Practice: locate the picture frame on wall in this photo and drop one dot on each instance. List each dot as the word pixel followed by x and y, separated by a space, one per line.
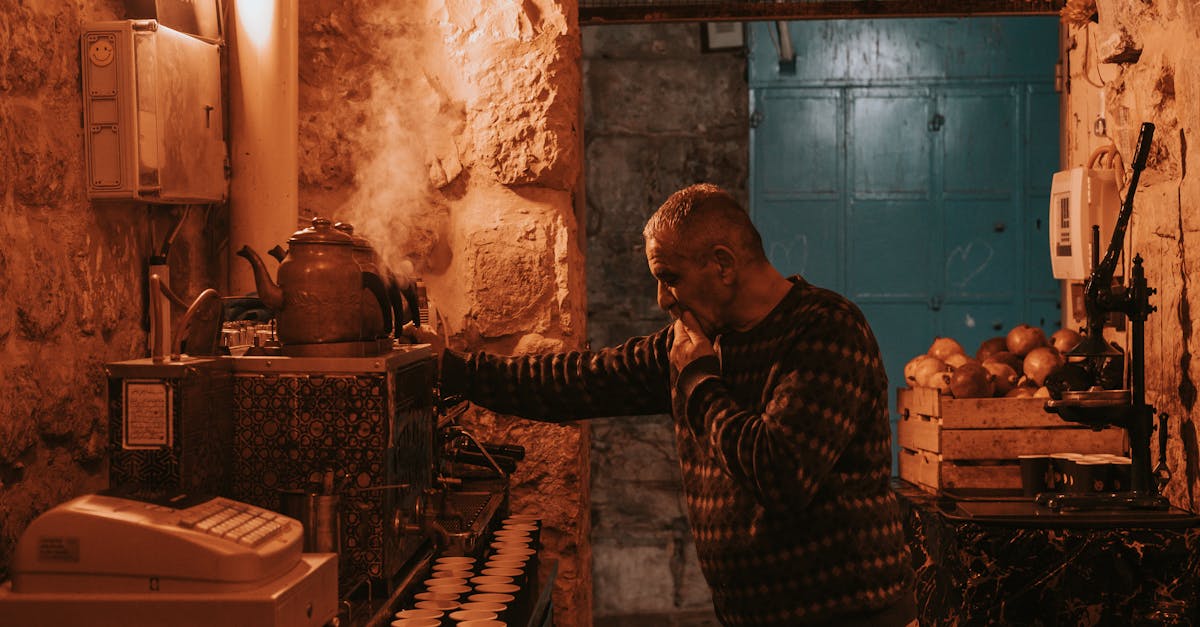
pixel 721 36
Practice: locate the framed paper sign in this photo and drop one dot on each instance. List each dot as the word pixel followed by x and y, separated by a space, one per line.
pixel 721 36
pixel 147 420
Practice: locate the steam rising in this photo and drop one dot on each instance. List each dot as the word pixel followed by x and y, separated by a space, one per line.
pixel 406 145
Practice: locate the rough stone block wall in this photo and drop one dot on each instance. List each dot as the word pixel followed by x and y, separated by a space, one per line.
pixel 659 115
pixel 72 272
pixel 1138 60
pixel 448 133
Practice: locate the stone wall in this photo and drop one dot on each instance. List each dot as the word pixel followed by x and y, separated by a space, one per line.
pixel 72 272
pixel 659 115
pixel 448 133
pixel 1138 59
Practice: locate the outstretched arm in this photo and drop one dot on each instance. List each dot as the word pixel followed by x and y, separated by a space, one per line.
pixel 630 379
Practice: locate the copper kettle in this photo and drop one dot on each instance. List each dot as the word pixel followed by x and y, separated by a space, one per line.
pixel 319 296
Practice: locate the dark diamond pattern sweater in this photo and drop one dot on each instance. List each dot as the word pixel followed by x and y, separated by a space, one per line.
pixel 785 449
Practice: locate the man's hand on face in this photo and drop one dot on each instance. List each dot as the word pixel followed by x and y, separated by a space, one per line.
pixel 690 342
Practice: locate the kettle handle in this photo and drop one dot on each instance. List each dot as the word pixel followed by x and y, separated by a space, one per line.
pixel 405 300
pixel 371 281
pixel 396 296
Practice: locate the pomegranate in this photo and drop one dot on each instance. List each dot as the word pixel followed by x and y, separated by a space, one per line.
pixel 1065 339
pixel 991 347
pixel 1024 338
pixel 941 381
pixel 958 359
pixel 919 367
pixel 1021 391
pixel 929 369
pixel 1005 378
pixel 911 366
pixel 944 347
pixel 971 381
pixel 1041 362
pixel 1011 360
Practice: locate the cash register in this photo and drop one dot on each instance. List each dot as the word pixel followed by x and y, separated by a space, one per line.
pixel 180 560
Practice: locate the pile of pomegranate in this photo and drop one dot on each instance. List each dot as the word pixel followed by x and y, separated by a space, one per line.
pixel 1022 363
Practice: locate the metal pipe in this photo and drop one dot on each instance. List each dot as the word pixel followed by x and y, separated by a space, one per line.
pixel 264 136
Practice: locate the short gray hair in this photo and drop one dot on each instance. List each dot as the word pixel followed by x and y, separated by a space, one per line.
pixel 701 216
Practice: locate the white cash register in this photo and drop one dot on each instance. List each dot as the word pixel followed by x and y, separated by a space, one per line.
pixel 101 560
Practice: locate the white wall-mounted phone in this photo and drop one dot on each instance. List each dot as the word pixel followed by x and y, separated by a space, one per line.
pixel 1079 199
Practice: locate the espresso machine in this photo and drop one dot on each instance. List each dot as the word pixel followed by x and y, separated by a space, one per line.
pixel 329 416
pixel 1105 400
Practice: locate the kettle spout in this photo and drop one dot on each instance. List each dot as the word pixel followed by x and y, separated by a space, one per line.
pixel 268 291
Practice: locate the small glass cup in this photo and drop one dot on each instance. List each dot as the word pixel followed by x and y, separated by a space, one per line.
pixel 454 589
pixel 438 582
pixel 445 606
pixel 514 550
pixel 452 574
pixel 436 596
pixel 1036 474
pixel 417 622
pixel 491 597
pixel 450 566
pixel 420 613
pixel 512 534
pixel 487 606
pixel 486 579
pixel 465 615
pixel 515 573
pixel 455 559
pixel 501 588
pixel 510 543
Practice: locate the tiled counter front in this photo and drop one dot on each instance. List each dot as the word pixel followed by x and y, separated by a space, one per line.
pixel 980 573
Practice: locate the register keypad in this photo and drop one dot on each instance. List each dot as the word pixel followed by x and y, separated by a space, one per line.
pixel 235 521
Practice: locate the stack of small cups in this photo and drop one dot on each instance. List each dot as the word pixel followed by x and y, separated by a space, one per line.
pixel 455 595
pixel 441 597
pixel 511 563
pixel 444 602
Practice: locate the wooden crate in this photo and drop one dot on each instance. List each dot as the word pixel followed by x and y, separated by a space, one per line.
pixel 972 443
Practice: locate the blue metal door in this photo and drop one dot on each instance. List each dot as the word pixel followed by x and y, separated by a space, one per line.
pixel 906 164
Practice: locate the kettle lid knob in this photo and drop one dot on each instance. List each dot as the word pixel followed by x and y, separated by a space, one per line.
pixel 321 232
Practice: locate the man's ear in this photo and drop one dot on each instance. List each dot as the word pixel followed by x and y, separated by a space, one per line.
pixel 726 261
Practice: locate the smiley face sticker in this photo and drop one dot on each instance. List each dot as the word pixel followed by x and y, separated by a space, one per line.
pixel 101 52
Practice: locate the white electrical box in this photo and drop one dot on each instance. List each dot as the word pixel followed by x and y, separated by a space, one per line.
pixel 153 122
pixel 1079 199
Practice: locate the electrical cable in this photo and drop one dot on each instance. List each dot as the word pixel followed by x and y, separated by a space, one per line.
pixel 166 247
pixel 1087 52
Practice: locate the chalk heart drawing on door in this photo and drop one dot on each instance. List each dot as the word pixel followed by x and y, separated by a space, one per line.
pixel 968 261
pixel 793 254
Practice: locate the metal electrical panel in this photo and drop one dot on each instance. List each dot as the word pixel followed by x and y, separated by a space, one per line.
pixel 153 122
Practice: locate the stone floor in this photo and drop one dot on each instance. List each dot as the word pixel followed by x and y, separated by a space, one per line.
pixel 683 619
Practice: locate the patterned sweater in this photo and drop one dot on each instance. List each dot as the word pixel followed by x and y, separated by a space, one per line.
pixel 784 444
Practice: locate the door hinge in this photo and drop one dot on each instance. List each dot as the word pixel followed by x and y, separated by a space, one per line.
pixel 756 118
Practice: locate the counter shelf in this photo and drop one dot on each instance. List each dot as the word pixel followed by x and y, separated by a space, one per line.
pixel 1009 562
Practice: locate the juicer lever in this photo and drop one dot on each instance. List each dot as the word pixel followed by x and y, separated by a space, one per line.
pixel 1162 474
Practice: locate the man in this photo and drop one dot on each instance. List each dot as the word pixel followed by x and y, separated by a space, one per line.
pixel 779 399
